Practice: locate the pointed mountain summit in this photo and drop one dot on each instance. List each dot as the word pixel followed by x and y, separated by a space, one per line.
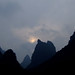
pixel 39 41
pixel 43 51
pixel 9 56
pixel 26 61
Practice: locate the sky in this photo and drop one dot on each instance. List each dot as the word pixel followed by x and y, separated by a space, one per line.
pixel 22 22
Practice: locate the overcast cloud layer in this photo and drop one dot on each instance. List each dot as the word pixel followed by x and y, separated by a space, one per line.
pixel 20 20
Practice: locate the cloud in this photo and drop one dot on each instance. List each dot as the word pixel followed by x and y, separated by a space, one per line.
pixel 8 9
pixel 43 32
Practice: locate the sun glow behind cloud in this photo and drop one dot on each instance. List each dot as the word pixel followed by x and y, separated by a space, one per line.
pixel 32 39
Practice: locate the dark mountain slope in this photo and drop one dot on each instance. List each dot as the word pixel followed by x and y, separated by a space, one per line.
pixel 9 62
pixel 43 52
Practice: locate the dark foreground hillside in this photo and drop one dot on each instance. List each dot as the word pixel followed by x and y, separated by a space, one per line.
pixel 9 63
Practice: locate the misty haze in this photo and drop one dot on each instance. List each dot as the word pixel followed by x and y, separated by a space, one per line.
pixel 35 31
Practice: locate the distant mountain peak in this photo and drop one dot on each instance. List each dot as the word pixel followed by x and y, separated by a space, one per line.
pixel 27 56
pixel 26 61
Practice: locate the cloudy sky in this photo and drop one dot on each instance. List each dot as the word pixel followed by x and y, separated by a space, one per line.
pixel 22 22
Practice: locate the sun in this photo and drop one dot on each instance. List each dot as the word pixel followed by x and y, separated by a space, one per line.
pixel 32 39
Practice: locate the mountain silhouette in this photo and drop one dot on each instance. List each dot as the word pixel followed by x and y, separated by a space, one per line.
pixel 9 62
pixel 43 52
pixel 63 60
pixel 26 62
pixel 1 56
pixel 1 53
pixel 1 50
pixel 72 39
pixel 44 59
